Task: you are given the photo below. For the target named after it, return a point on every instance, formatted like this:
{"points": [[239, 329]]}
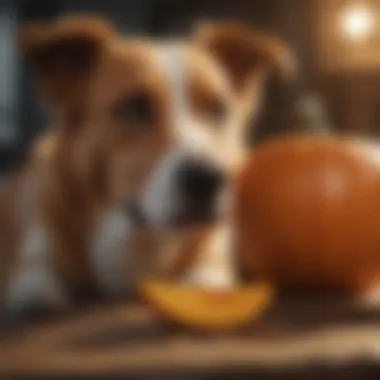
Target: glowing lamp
{"points": [[357, 22]]}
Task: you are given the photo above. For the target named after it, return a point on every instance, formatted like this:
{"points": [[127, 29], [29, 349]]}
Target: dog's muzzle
{"points": [[197, 189], [199, 185]]}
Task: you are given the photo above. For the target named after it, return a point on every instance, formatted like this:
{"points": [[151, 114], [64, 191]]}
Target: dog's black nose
{"points": [[198, 182]]}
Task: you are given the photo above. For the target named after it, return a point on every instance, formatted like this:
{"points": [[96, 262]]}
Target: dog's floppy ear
{"points": [[63, 52], [244, 51]]}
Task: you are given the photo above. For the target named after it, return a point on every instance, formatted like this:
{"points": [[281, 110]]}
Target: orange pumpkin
{"points": [[308, 213]]}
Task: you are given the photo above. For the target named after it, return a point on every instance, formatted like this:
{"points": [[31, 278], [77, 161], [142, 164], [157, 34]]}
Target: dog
{"points": [[134, 176]]}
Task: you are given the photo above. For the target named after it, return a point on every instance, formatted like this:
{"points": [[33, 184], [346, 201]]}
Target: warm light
{"points": [[358, 22]]}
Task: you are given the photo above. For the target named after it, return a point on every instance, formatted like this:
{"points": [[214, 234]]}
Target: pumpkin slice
{"points": [[207, 309]]}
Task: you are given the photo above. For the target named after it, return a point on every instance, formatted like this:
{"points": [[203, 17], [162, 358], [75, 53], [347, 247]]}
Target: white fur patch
{"points": [[159, 199], [215, 267], [191, 140], [35, 283], [109, 253], [192, 136], [171, 57]]}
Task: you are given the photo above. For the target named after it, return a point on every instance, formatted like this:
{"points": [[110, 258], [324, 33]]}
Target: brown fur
{"points": [[91, 161]]}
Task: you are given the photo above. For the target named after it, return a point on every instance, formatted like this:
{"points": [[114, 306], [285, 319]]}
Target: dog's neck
{"points": [[168, 254], [155, 252]]}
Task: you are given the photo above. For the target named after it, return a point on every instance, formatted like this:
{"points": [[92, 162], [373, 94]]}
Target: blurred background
{"points": [[336, 43]]}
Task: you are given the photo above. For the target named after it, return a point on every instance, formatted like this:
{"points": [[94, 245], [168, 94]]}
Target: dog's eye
{"points": [[215, 110], [134, 109]]}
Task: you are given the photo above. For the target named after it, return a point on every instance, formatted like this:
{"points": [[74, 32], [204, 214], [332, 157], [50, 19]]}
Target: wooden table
{"points": [[304, 338]]}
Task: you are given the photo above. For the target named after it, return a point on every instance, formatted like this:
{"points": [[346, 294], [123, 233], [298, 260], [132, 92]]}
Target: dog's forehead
{"points": [[129, 62], [177, 62], [180, 59]]}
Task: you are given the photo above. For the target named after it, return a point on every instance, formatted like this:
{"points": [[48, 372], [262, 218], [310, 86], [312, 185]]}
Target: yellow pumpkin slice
{"points": [[207, 309]]}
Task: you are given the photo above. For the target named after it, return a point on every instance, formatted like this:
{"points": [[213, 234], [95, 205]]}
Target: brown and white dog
{"points": [[133, 176]]}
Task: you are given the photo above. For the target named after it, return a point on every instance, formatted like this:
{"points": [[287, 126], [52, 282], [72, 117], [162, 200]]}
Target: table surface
{"points": [[127, 338]]}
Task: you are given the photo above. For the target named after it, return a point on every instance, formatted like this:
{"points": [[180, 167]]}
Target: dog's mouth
{"points": [[185, 215], [196, 214], [185, 218]]}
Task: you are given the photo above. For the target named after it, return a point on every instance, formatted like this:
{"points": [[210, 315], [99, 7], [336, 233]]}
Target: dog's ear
{"points": [[63, 52], [244, 51]]}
